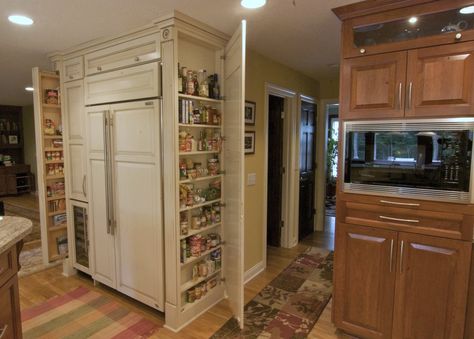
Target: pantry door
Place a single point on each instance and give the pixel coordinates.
(136, 186)
(234, 105)
(102, 239)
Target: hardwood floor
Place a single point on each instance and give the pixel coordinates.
(37, 288)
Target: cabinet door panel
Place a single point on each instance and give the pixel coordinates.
(431, 287)
(441, 80)
(373, 86)
(10, 320)
(77, 171)
(74, 104)
(364, 280)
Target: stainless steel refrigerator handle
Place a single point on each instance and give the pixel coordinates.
(391, 255)
(401, 257)
(111, 174)
(106, 170)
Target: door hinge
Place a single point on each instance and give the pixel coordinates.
(282, 224)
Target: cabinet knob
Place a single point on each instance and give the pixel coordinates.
(99, 68)
(137, 59)
(458, 36)
(362, 51)
(71, 77)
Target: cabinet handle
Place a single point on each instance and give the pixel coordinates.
(99, 68)
(3, 331)
(400, 95)
(401, 256)
(84, 186)
(106, 167)
(391, 255)
(362, 51)
(71, 77)
(410, 92)
(398, 219)
(399, 203)
(137, 59)
(458, 36)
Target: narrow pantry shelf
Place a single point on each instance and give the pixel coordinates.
(209, 177)
(199, 126)
(56, 213)
(57, 228)
(195, 97)
(190, 284)
(201, 230)
(56, 197)
(207, 203)
(53, 177)
(208, 295)
(199, 152)
(194, 259)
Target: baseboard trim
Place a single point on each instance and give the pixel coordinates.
(254, 271)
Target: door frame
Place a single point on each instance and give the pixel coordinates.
(311, 100)
(290, 189)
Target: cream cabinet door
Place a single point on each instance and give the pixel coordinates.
(73, 69)
(77, 172)
(138, 205)
(73, 98)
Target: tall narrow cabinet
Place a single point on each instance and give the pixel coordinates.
(50, 160)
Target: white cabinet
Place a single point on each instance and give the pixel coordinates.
(80, 237)
(127, 84)
(125, 205)
(73, 69)
(130, 53)
(73, 97)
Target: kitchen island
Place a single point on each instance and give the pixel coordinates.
(12, 232)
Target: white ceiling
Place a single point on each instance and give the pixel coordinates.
(303, 34)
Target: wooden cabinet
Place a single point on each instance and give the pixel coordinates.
(10, 321)
(372, 87)
(364, 280)
(431, 287)
(440, 81)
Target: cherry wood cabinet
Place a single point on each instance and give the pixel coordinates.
(364, 280)
(431, 287)
(373, 86)
(10, 321)
(440, 81)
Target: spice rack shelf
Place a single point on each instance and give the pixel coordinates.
(52, 136)
(54, 162)
(203, 254)
(209, 177)
(52, 106)
(199, 152)
(201, 230)
(198, 98)
(53, 177)
(58, 197)
(199, 126)
(57, 228)
(207, 203)
(190, 284)
(53, 149)
(188, 306)
(56, 213)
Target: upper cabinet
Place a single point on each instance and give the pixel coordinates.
(440, 80)
(372, 87)
(73, 69)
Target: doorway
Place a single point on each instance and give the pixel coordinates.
(331, 174)
(275, 169)
(307, 169)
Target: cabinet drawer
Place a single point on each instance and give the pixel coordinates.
(442, 224)
(8, 265)
(73, 69)
(133, 83)
(129, 53)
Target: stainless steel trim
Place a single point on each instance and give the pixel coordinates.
(399, 95)
(3, 331)
(399, 203)
(391, 255)
(86, 235)
(414, 221)
(449, 124)
(106, 168)
(410, 93)
(401, 256)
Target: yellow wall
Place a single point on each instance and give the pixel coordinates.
(260, 70)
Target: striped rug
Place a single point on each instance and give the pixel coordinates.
(83, 313)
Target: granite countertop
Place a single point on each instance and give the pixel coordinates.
(12, 230)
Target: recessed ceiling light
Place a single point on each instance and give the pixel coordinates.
(29, 89)
(413, 20)
(252, 4)
(467, 10)
(20, 20)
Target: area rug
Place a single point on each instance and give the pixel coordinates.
(291, 304)
(31, 261)
(83, 313)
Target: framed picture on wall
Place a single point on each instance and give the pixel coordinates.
(249, 142)
(250, 108)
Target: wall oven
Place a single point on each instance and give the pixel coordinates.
(423, 159)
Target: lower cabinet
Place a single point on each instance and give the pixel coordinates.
(10, 320)
(392, 284)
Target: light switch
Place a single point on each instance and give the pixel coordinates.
(251, 179)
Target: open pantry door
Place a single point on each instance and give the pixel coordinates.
(234, 105)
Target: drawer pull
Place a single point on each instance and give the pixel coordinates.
(391, 255)
(401, 256)
(399, 203)
(3, 331)
(398, 219)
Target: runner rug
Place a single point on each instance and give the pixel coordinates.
(291, 304)
(83, 313)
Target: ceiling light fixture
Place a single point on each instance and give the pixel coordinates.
(467, 10)
(252, 4)
(413, 20)
(29, 89)
(20, 20)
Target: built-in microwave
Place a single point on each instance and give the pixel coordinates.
(424, 159)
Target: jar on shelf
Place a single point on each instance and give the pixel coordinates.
(203, 83)
(190, 83)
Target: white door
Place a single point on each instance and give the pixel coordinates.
(138, 205)
(234, 91)
(77, 172)
(102, 238)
